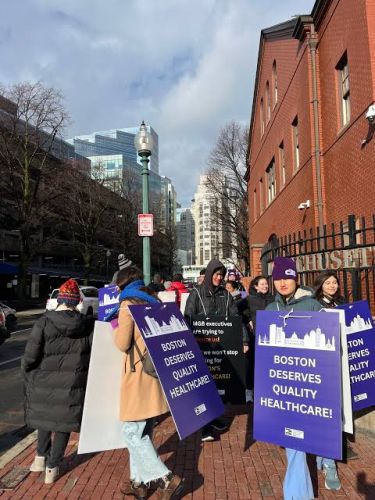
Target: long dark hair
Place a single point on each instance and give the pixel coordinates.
(130, 274)
(254, 282)
(318, 284)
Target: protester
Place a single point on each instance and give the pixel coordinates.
(257, 300)
(201, 276)
(156, 285)
(327, 290)
(327, 293)
(232, 288)
(292, 297)
(178, 287)
(211, 298)
(123, 262)
(142, 398)
(55, 366)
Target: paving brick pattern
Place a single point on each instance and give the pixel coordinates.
(232, 467)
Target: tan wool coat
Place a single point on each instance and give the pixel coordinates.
(141, 395)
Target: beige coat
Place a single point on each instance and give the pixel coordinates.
(141, 395)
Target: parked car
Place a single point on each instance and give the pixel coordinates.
(4, 334)
(10, 316)
(89, 300)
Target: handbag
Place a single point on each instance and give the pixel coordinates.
(145, 358)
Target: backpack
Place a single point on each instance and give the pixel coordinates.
(145, 358)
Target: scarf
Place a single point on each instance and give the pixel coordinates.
(131, 291)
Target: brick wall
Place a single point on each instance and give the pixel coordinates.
(346, 166)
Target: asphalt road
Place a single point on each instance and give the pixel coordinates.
(12, 426)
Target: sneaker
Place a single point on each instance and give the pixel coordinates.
(207, 435)
(332, 481)
(137, 490)
(170, 487)
(51, 475)
(219, 425)
(351, 454)
(39, 464)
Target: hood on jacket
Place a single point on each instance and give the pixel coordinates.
(70, 324)
(212, 266)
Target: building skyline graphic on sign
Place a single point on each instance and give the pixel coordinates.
(358, 324)
(155, 329)
(109, 299)
(315, 339)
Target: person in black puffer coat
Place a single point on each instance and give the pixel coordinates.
(257, 300)
(55, 366)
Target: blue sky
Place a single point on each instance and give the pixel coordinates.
(186, 67)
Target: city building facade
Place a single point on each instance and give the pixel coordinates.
(210, 237)
(185, 229)
(311, 147)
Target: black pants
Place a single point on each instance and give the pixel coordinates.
(54, 449)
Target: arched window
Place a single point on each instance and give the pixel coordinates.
(268, 102)
(274, 83)
(261, 112)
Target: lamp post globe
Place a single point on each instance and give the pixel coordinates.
(143, 143)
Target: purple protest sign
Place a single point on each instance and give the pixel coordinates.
(188, 386)
(297, 390)
(360, 334)
(108, 301)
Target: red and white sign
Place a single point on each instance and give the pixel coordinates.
(145, 225)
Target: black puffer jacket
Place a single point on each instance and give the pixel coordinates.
(256, 302)
(207, 299)
(55, 366)
(210, 300)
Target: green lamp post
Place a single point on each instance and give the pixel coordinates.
(143, 143)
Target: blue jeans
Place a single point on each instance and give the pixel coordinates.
(297, 482)
(145, 463)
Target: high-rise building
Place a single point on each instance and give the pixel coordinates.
(168, 204)
(211, 240)
(114, 142)
(185, 229)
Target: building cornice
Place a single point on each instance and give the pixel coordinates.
(319, 10)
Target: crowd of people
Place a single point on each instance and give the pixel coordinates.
(56, 360)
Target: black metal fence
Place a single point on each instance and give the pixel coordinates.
(348, 248)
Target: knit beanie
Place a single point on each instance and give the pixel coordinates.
(69, 293)
(123, 262)
(284, 268)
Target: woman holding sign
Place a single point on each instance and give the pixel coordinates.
(291, 297)
(141, 398)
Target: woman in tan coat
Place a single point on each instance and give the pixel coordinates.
(141, 398)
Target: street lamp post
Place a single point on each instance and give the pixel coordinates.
(143, 143)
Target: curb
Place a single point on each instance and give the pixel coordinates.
(18, 448)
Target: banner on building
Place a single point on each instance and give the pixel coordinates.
(221, 342)
(297, 390)
(360, 333)
(188, 386)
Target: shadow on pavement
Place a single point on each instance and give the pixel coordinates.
(9, 439)
(364, 488)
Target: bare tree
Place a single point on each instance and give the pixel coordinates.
(225, 177)
(29, 160)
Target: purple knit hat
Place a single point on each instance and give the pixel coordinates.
(284, 268)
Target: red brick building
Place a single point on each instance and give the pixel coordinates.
(311, 154)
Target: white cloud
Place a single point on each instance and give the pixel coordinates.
(186, 67)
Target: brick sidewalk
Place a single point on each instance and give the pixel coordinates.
(230, 468)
